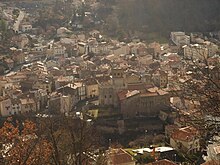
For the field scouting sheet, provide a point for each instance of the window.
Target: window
(105, 96)
(110, 96)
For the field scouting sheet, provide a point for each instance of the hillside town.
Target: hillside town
(133, 92)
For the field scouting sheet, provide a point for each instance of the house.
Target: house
(71, 91)
(154, 49)
(180, 38)
(186, 139)
(215, 74)
(162, 162)
(28, 105)
(16, 106)
(211, 162)
(83, 48)
(9, 62)
(107, 95)
(170, 129)
(25, 27)
(160, 78)
(92, 88)
(18, 56)
(43, 84)
(65, 104)
(168, 115)
(196, 51)
(81, 90)
(5, 106)
(20, 40)
(3, 68)
(119, 157)
(213, 152)
(54, 102)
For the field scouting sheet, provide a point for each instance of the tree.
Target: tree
(22, 146)
(202, 87)
(74, 140)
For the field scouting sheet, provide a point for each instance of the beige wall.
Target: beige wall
(5, 107)
(143, 105)
(92, 90)
(185, 146)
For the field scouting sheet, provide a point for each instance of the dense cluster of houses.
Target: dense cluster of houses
(137, 78)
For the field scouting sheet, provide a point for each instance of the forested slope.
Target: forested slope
(169, 15)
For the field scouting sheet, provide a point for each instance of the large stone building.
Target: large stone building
(136, 103)
(180, 38)
(121, 81)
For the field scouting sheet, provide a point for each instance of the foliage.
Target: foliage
(23, 146)
(145, 158)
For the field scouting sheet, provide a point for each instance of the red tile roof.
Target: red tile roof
(185, 134)
(162, 162)
(119, 156)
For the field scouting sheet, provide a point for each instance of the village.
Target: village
(130, 91)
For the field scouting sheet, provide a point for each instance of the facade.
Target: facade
(119, 157)
(83, 48)
(199, 52)
(26, 27)
(215, 74)
(5, 106)
(92, 88)
(160, 78)
(180, 38)
(81, 90)
(186, 139)
(162, 162)
(106, 94)
(43, 84)
(15, 106)
(213, 152)
(28, 105)
(134, 103)
(65, 104)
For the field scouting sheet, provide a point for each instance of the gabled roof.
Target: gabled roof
(119, 156)
(162, 162)
(185, 134)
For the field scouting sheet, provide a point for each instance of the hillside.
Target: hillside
(163, 16)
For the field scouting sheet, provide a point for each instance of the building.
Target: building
(160, 78)
(92, 88)
(106, 94)
(65, 104)
(26, 27)
(180, 38)
(162, 162)
(186, 139)
(195, 52)
(213, 152)
(43, 84)
(5, 106)
(134, 103)
(119, 157)
(28, 105)
(211, 162)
